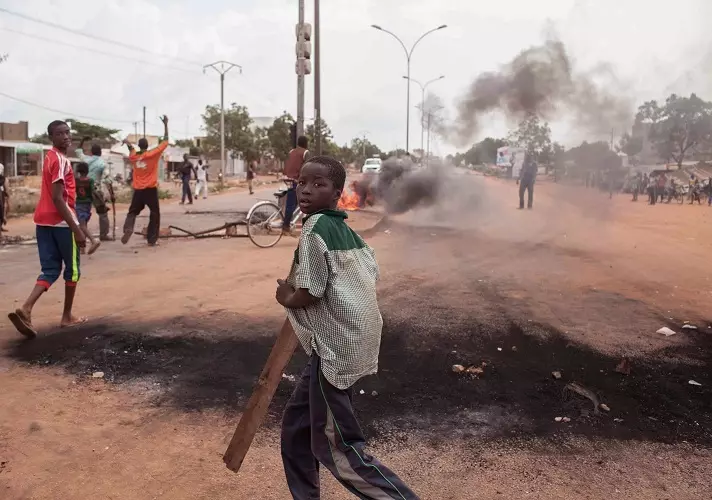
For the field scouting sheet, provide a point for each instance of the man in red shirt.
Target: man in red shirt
(292, 168)
(58, 233)
(145, 183)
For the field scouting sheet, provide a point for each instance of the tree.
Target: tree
(363, 148)
(484, 151)
(558, 156)
(594, 156)
(96, 133)
(238, 135)
(185, 143)
(260, 146)
(683, 124)
(533, 136)
(3, 58)
(279, 136)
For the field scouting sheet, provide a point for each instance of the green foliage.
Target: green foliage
(484, 152)
(678, 127)
(533, 136)
(96, 133)
(185, 143)
(278, 136)
(238, 135)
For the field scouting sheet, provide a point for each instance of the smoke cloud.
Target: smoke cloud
(541, 80)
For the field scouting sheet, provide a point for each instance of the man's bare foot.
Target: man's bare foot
(22, 320)
(72, 321)
(125, 238)
(94, 247)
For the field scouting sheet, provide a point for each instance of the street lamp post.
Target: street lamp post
(422, 105)
(408, 55)
(222, 67)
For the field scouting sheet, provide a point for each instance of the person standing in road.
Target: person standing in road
(4, 195)
(59, 236)
(97, 165)
(527, 176)
(186, 172)
(144, 172)
(201, 175)
(292, 168)
(250, 175)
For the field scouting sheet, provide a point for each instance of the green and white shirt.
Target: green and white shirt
(344, 326)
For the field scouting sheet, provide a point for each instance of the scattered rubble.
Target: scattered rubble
(623, 367)
(97, 375)
(583, 391)
(556, 375)
(291, 378)
(666, 331)
(604, 407)
(458, 368)
(688, 326)
(693, 382)
(374, 394)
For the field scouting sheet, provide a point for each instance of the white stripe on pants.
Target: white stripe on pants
(201, 186)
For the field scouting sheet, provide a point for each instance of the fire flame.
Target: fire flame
(348, 201)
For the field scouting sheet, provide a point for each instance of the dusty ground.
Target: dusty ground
(181, 333)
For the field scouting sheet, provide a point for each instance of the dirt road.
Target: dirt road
(181, 332)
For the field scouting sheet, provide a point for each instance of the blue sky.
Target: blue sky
(655, 47)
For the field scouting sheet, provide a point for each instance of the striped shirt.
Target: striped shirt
(344, 326)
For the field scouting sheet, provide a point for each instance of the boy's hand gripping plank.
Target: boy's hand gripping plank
(261, 397)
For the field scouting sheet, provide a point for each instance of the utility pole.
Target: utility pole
(300, 76)
(222, 67)
(423, 87)
(135, 124)
(317, 78)
(144, 122)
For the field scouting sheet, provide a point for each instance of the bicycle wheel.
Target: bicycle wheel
(264, 224)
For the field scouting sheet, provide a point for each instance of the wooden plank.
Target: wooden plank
(262, 394)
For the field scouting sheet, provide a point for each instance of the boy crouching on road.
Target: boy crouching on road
(330, 297)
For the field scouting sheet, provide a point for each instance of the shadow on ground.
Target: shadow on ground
(212, 362)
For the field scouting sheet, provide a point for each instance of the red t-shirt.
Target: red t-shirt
(56, 168)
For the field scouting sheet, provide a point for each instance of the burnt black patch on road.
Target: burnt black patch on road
(212, 362)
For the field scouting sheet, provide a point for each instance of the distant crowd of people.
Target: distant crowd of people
(663, 188)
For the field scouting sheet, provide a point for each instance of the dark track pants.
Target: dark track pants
(142, 198)
(319, 426)
(525, 185)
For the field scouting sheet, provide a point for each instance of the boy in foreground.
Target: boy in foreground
(85, 196)
(330, 297)
(58, 233)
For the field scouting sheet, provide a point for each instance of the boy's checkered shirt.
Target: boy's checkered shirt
(344, 325)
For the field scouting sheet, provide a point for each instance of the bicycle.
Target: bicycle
(266, 218)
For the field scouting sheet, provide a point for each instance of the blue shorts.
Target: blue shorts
(83, 211)
(57, 248)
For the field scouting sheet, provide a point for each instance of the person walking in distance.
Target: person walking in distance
(97, 165)
(295, 160)
(85, 190)
(527, 176)
(144, 171)
(4, 194)
(186, 172)
(330, 300)
(201, 185)
(59, 236)
(250, 176)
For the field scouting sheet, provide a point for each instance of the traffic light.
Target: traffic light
(303, 49)
(293, 135)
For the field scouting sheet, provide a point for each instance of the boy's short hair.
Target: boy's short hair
(337, 172)
(82, 168)
(51, 126)
(303, 141)
(96, 150)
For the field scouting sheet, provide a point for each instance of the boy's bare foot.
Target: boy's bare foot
(72, 321)
(94, 247)
(22, 321)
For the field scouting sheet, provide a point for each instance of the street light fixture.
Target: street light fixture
(221, 67)
(408, 55)
(422, 106)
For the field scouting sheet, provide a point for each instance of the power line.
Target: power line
(63, 113)
(94, 37)
(60, 42)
